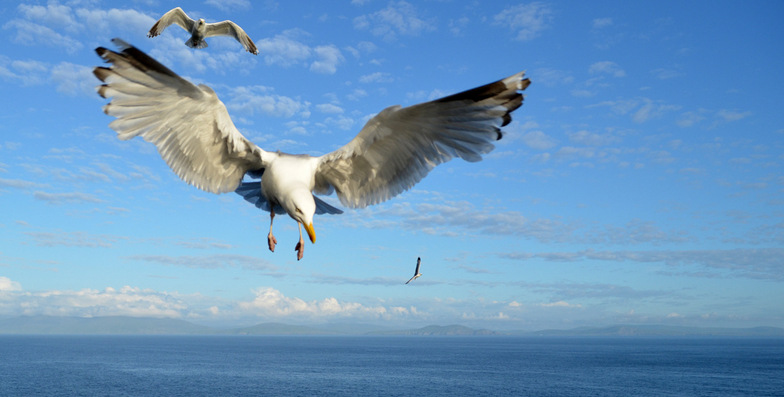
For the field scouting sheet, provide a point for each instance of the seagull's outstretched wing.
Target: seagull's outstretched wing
(229, 28)
(176, 15)
(411, 279)
(399, 146)
(189, 124)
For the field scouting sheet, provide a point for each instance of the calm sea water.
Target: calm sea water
(387, 366)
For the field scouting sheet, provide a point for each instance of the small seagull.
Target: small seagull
(200, 30)
(416, 272)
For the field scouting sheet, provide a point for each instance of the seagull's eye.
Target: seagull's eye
(299, 211)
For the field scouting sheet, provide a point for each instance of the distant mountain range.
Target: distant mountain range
(119, 325)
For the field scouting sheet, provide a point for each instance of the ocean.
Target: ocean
(388, 366)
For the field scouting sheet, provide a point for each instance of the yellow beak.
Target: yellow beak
(311, 232)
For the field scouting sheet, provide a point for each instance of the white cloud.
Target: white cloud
(328, 59)
(73, 79)
(127, 301)
(607, 67)
(452, 218)
(456, 26)
(266, 303)
(6, 284)
(732, 115)
(528, 20)
(19, 184)
(561, 304)
(755, 263)
(342, 122)
(124, 20)
(229, 5)
(691, 118)
(664, 74)
(250, 100)
(72, 239)
(63, 198)
(641, 109)
(67, 77)
(52, 25)
(270, 302)
(552, 77)
(357, 94)
(398, 18)
(592, 139)
(644, 113)
(52, 14)
(284, 49)
(216, 261)
(29, 33)
(377, 77)
(538, 140)
(329, 108)
(599, 23)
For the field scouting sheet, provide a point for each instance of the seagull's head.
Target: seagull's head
(201, 22)
(302, 207)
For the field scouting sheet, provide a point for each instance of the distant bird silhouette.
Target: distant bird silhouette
(416, 272)
(200, 30)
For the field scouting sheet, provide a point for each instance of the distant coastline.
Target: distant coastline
(121, 325)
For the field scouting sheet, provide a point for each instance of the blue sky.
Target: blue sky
(642, 181)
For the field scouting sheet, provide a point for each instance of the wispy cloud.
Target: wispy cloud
(20, 184)
(73, 79)
(287, 49)
(230, 5)
(538, 140)
(341, 280)
(552, 77)
(126, 301)
(270, 302)
(640, 109)
(24, 72)
(754, 263)
(72, 239)
(327, 59)
(6, 284)
(526, 20)
(251, 100)
(214, 261)
(29, 33)
(66, 198)
(599, 23)
(607, 67)
(398, 18)
(55, 25)
(376, 77)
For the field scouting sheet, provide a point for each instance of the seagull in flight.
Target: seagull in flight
(200, 30)
(417, 274)
(194, 134)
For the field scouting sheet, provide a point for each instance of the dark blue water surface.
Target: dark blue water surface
(388, 366)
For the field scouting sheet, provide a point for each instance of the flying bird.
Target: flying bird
(417, 274)
(394, 150)
(200, 30)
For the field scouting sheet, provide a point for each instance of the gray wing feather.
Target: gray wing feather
(189, 124)
(399, 146)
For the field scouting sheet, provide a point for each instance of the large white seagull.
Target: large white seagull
(395, 149)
